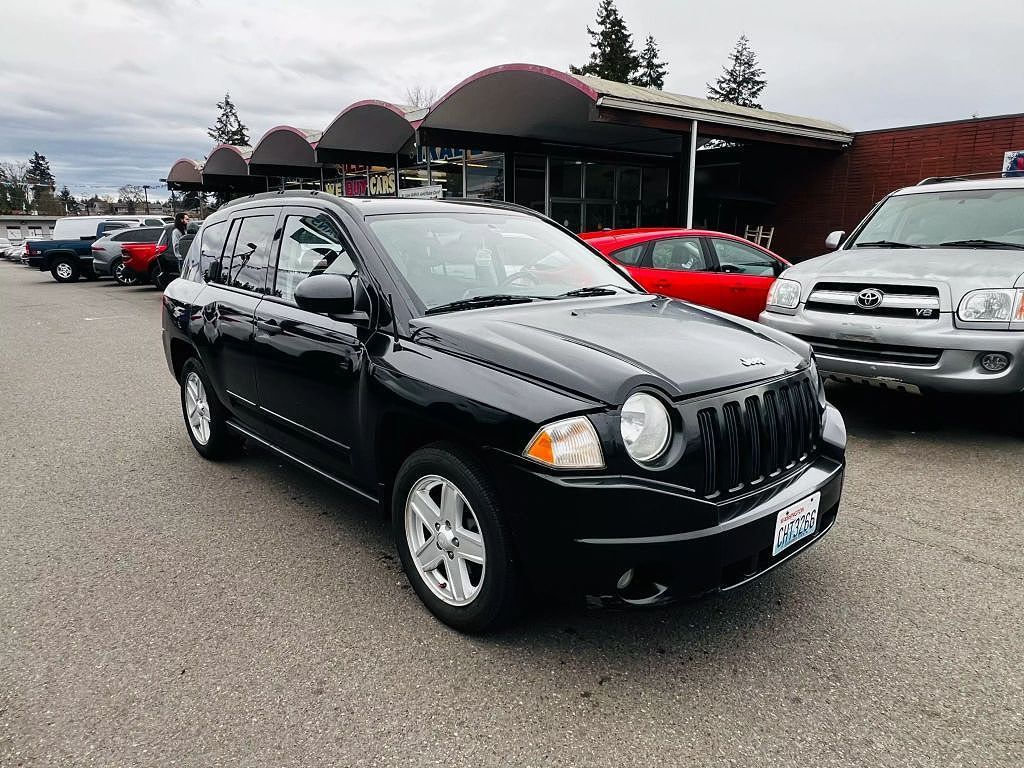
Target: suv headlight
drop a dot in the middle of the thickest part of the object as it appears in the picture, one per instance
(645, 427)
(568, 444)
(992, 306)
(784, 293)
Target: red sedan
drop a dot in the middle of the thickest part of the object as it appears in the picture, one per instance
(711, 268)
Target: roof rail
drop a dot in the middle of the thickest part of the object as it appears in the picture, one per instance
(959, 177)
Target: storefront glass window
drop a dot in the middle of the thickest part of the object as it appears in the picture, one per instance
(566, 177)
(485, 176)
(598, 216)
(569, 215)
(448, 174)
(600, 182)
(654, 208)
(529, 181)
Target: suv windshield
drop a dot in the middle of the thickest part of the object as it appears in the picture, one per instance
(456, 258)
(963, 218)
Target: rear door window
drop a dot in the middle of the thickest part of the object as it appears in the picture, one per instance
(138, 235)
(681, 254)
(249, 253)
(211, 246)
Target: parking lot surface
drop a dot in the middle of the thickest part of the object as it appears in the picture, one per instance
(157, 609)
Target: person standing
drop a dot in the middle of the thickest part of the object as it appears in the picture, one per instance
(180, 228)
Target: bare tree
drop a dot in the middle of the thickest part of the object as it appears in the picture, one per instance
(130, 195)
(419, 96)
(15, 192)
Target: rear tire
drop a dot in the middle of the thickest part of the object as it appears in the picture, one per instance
(122, 274)
(154, 273)
(65, 269)
(452, 540)
(205, 417)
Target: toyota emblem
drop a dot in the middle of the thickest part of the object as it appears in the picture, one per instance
(869, 298)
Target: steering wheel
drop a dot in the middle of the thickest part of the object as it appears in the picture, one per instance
(528, 278)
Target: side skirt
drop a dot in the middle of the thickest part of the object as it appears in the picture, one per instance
(295, 459)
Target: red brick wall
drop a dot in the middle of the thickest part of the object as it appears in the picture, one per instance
(819, 192)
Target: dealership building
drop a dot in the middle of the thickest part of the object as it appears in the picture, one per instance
(594, 154)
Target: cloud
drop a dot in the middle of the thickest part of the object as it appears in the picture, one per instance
(131, 86)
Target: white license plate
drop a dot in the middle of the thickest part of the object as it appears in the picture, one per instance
(795, 522)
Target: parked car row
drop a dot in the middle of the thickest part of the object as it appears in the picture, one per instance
(123, 247)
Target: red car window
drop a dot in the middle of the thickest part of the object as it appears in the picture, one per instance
(683, 254)
(630, 255)
(738, 259)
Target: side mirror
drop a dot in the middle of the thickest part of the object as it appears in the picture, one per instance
(326, 295)
(834, 239)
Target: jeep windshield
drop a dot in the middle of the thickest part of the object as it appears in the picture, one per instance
(454, 261)
(969, 218)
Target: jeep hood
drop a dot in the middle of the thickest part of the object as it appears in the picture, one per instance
(962, 269)
(603, 348)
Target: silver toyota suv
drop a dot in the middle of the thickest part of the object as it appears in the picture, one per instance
(927, 293)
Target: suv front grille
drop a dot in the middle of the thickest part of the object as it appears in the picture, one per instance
(919, 302)
(870, 352)
(748, 439)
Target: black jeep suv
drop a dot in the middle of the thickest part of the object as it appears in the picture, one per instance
(530, 420)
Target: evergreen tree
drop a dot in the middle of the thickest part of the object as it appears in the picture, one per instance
(652, 70)
(67, 202)
(229, 129)
(40, 179)
(613, 56)
(743, 81)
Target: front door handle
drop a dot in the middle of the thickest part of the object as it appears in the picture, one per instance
(269, 327)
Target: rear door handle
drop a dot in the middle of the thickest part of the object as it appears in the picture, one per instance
(269, 327)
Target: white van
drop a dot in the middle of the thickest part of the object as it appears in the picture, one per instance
(78, 227)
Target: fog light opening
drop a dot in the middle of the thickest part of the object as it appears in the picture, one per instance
(995, 362)
(642, 586)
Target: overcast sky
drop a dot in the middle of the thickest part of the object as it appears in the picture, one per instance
(125, 88)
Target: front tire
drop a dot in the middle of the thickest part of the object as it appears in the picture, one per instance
(65, 269)
(452, 540)
(205, 417)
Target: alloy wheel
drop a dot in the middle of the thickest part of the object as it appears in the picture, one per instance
(197, 408)
(445, 540)
(64, 271)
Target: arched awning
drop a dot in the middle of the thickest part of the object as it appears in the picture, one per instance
(227, 168)
(286, 151)
(504, 105)
(370, 132)
(507, 104)
(185, 174)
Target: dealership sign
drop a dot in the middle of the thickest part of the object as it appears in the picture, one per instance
(431, 192)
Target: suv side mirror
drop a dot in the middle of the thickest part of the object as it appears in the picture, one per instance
(326, 295)
(834, 239)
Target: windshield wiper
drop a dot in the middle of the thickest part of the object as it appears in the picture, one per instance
(595, 290)
(886, 244)
(477, 302)
(980, 243)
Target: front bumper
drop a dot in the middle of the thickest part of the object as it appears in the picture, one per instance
(958, 369)
(578, 535)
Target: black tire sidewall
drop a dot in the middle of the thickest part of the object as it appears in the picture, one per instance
(499, 596)
(220, 442)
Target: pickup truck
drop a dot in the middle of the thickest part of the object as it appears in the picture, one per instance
(68, 255)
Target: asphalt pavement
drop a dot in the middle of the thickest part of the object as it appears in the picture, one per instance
(158, 609)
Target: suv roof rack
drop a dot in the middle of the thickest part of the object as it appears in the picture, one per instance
(963, 177)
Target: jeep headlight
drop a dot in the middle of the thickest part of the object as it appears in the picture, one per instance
(784, 293)
(645, 427)
(992, 306)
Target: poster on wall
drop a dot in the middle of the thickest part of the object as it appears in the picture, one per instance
(1013, 163)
